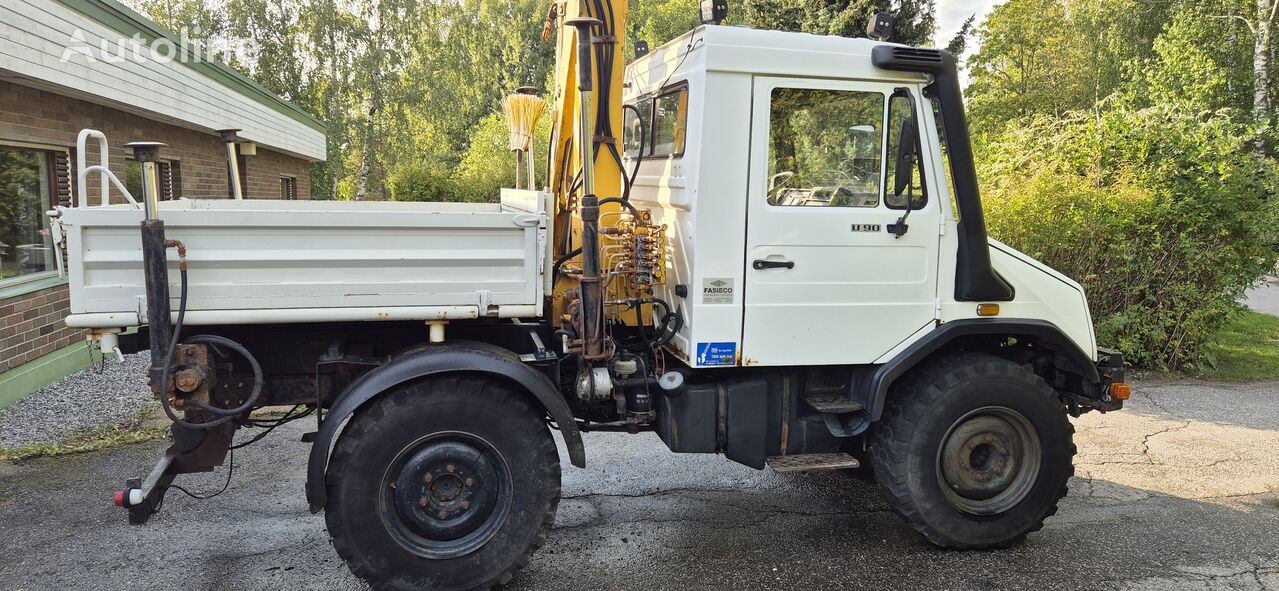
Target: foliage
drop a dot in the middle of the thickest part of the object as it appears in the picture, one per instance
(659, 22)
(135, 429)
(1163, 216)
(1017, 72)
(423, 181)
(916, 19)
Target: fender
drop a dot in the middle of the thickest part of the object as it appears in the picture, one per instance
(432, 360)
(1048, 333)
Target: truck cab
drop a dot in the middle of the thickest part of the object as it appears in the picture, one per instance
(773, 158)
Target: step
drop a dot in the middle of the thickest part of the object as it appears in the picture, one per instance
(812, 462)
(833, 403)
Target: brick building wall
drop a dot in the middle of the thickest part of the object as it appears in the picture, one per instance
(41, 117)
(31, 324)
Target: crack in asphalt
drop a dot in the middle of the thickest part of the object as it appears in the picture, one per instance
(1145, 452)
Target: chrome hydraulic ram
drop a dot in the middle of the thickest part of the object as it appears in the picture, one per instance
(592, 293)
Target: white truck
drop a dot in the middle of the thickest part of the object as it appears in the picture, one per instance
(796, 274)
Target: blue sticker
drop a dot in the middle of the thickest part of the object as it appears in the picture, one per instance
(709, 354)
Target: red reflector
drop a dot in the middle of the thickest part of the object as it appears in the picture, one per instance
(119, 498)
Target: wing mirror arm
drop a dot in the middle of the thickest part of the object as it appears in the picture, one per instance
(902, 175)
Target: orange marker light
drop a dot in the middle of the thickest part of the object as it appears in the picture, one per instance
(987, 309)
(1120, 391)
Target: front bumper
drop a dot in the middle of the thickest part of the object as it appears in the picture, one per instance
(1110, 370)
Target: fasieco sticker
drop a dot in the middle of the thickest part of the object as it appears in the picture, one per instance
(711, 354)
(717, 290)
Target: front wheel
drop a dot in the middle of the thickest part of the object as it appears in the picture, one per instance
(974, 451)
(448, 483)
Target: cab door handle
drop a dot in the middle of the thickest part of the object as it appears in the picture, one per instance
(766, 264)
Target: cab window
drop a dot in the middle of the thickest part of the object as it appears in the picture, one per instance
(635, 128)
(825, 148)
(899, 108)
(670, 118)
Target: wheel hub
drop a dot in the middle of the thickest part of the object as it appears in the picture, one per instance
(988, 461)
(446, 495)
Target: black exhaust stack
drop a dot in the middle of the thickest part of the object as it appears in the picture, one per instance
(154, 262)
(975, 280)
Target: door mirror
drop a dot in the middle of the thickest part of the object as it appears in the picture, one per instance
(905, 157)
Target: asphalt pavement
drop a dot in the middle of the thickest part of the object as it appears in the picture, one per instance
(1178, 491)
(1265, 297)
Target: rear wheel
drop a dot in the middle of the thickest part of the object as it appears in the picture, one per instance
(448, 483)
(973, 451)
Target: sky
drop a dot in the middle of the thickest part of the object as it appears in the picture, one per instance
(951, 15)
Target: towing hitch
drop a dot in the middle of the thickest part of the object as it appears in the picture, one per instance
(183, 376)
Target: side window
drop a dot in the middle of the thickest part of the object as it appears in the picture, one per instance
(635, 129)
(670, 119)
(899, 109)
(28, 188)
(824, 147)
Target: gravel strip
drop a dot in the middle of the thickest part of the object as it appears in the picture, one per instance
(100, 396)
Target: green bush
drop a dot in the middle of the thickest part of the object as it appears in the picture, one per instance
(421, 181)
(1165, 218)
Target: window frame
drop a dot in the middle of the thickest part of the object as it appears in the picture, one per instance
(167, 192)
(651, 98)
(291, 183)
(22, 284)
(905, 93)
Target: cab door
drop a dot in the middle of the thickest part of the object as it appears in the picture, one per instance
(828, 281)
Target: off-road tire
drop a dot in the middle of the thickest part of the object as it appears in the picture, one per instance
(378, 436)
(919, 412)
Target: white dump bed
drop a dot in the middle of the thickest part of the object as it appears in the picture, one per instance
(259, 261)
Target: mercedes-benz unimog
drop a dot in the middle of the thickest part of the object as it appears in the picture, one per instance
(753, 243)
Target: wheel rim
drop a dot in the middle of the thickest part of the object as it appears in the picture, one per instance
(445, 495)
(988, 461)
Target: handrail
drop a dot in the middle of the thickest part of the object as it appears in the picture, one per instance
(105, 176)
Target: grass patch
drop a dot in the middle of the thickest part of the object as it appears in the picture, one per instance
(1247, 349)
(133, 430)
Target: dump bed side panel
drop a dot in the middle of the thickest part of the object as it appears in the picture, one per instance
(343, 257)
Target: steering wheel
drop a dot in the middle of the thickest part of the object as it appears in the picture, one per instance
(778, 180)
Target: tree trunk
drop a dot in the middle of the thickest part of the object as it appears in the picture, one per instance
(1261, 58)
(366, 156)
(1261, 109)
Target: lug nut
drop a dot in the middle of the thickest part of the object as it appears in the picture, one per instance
(470, 482)
(466, 504)
(424, 501)
(444, 515)
(451, 468)
(427, 478)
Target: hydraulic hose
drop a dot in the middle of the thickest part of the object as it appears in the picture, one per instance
(225, 415)
(168, 364)
(623, 202)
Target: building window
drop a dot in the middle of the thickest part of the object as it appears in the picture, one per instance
(32, 180)
(288, 188)
(167, 172)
